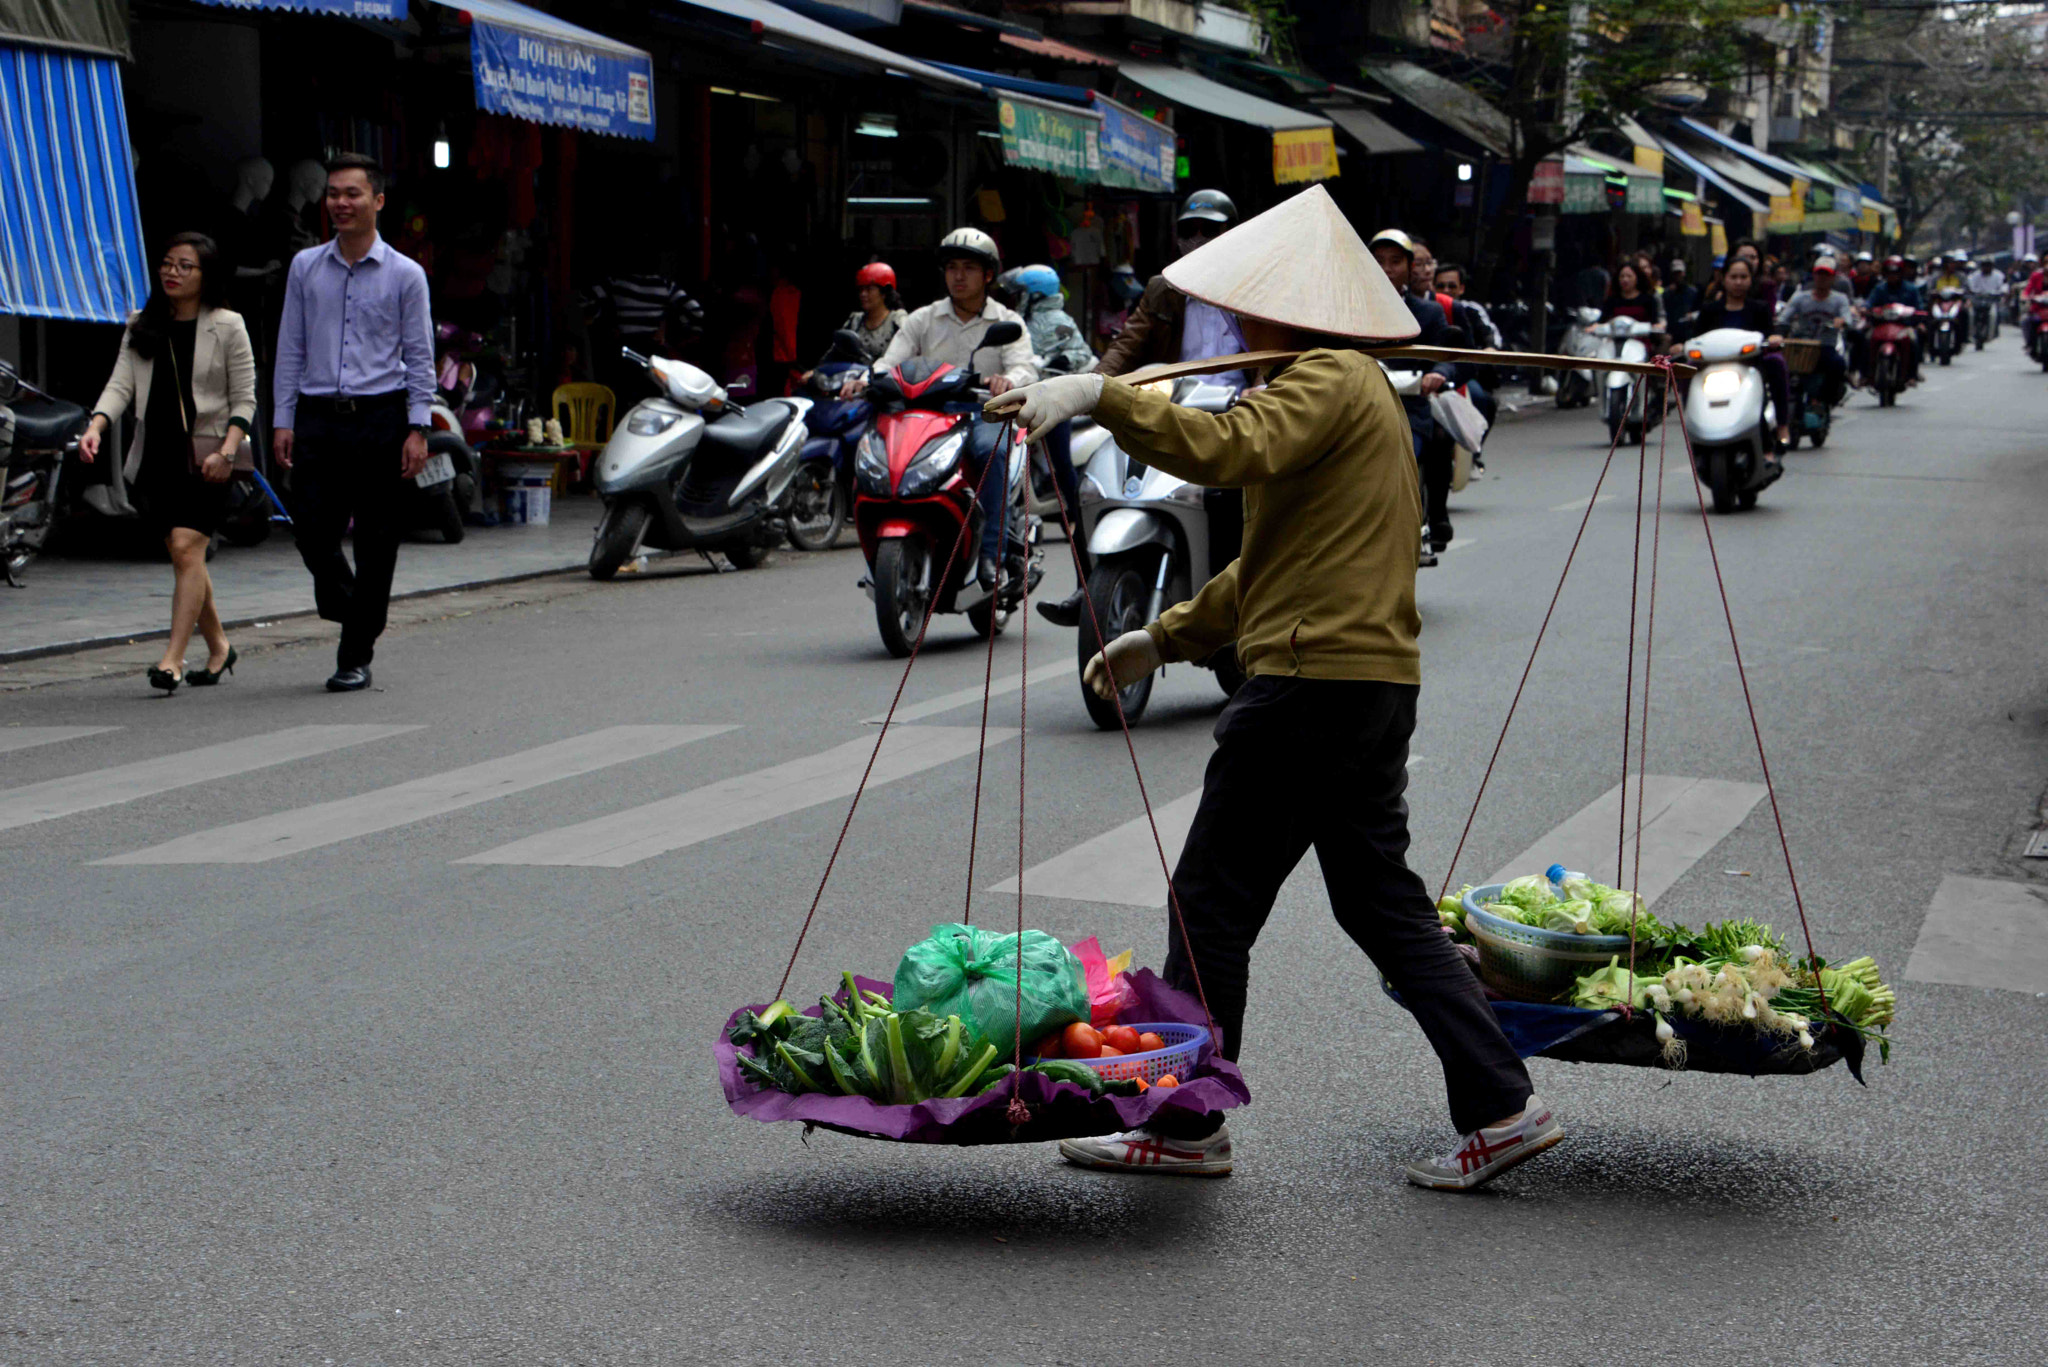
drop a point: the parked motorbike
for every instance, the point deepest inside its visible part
(1627, 403)
(915, 502)
(822, 493)
(1575, 388)
(1155, 540)
(37, 433)
(1728, 418)
(691, 470)
(1893, 342)
(1948, 325)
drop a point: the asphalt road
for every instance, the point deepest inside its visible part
(355, 1102)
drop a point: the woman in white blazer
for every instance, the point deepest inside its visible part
(188, 374)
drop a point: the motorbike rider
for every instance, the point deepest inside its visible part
(1987, 285)
(1895, 288)
(950, 330)
(1863, 275)
(2022, 271)
(1948, 274)
(2035, 296)
(1471, 315)
(1395, 251)
(1166, 326)
(1035, 292)
(1811, 313)
(1736, 306)
(875, 322)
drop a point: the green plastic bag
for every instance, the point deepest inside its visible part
(971, 973)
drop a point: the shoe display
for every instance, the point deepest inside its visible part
(1484, 1155)
(350, 680)
(1141, 1150)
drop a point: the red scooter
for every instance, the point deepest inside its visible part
(1894, 342)
(914, 507)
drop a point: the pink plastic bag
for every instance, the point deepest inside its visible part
(1109, 989)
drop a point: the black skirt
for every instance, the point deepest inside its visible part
(168, 491)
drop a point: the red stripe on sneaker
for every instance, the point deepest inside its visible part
(1477, 1153)
(1151, 1152)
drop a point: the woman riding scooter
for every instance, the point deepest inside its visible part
(881, 312)
(1736, 307)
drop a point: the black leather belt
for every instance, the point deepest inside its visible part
(351, 403)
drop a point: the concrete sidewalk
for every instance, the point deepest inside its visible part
(71, 604)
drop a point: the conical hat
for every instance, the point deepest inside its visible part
(1300, 264)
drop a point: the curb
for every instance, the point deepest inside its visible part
(83, 643)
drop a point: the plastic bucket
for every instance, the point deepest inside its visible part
(527, 489)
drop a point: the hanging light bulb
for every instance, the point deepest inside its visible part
(441, 148)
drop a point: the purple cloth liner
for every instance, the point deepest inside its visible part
(1059, 1110)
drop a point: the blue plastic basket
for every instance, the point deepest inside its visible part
(1529, 963)
(1183, 1048)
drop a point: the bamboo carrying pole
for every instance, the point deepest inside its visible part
(1251, 360)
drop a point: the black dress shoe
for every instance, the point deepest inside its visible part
(202, 678)
(987, 572)
(350, 680)
(1066, 612)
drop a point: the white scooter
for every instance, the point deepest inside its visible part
(1629, 403)
(1575, 388)
(1729, 419)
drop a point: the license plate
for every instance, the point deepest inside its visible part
(439, 469)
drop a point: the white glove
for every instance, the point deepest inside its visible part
(1043, 406)
(1130, 657)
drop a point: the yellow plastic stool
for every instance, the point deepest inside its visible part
(586, 412)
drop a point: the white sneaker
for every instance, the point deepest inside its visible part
(1485, 1154)
(1140, 1150)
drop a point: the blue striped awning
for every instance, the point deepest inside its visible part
(70, 233)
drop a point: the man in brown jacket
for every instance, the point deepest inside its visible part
(1158, 330)
(1312, 750)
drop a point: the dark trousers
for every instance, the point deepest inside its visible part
(345, 468)
(992, 492)
(1434, 454)
(1323, 763)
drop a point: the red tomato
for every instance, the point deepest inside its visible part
(1122, 1037)
(1168, 1081)
(1049, 1047)
(1148, 1041)
(1110, 1052)
(1082, 1040)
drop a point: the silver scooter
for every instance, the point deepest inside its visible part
(1729, 420)
(1155, 540)
(689, 470)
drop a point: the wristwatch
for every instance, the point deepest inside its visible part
(422, 429)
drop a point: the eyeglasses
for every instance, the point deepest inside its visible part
(178, 267)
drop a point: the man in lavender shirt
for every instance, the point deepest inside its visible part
(354, 380)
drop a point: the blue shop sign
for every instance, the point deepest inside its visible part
(1137, 152)
(536, 67)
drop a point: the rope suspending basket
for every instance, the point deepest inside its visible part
(1559, 954)
(858, 1064)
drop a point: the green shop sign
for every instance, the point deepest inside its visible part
(1047, 138)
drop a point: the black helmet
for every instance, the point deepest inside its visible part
(1213, 206)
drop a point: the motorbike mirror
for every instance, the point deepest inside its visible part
(635, 357)
(1002, 334)
(846, 339)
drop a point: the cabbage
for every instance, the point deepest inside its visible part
(1530, 893)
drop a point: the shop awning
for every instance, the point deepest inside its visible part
(392, 10)
(1713, 175)
(1449, 103)
(1372, 132)
(536, 67)
(1022, 85)
(1743, 149)
(1056, 50)
(801, 37)
(70, 233)
(96, 26)
(1304, 146)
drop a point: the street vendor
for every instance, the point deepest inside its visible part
(1312, 750)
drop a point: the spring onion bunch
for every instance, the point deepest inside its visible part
(859, 1046)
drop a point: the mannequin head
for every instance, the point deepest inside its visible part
(308, 183)
(254, 179)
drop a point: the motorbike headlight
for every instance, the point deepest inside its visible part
(651, 422)
(1721, 384)
(871, 463)
(933, 464)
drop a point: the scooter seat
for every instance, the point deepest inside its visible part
(44, 423)
(750, 433)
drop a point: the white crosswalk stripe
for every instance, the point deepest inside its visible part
(1983, 932)
(60, 797)
(1683, 818)
(1120, 866)
(328, 823)
(733, 804)
(25, 737)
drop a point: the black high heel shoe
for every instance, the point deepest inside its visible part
(164, 679)
(203, 678)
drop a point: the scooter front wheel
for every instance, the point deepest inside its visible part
(817, 508)
(1118, 591)
(618, 537)
(901, 567)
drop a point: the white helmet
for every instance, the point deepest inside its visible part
(973, 244)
